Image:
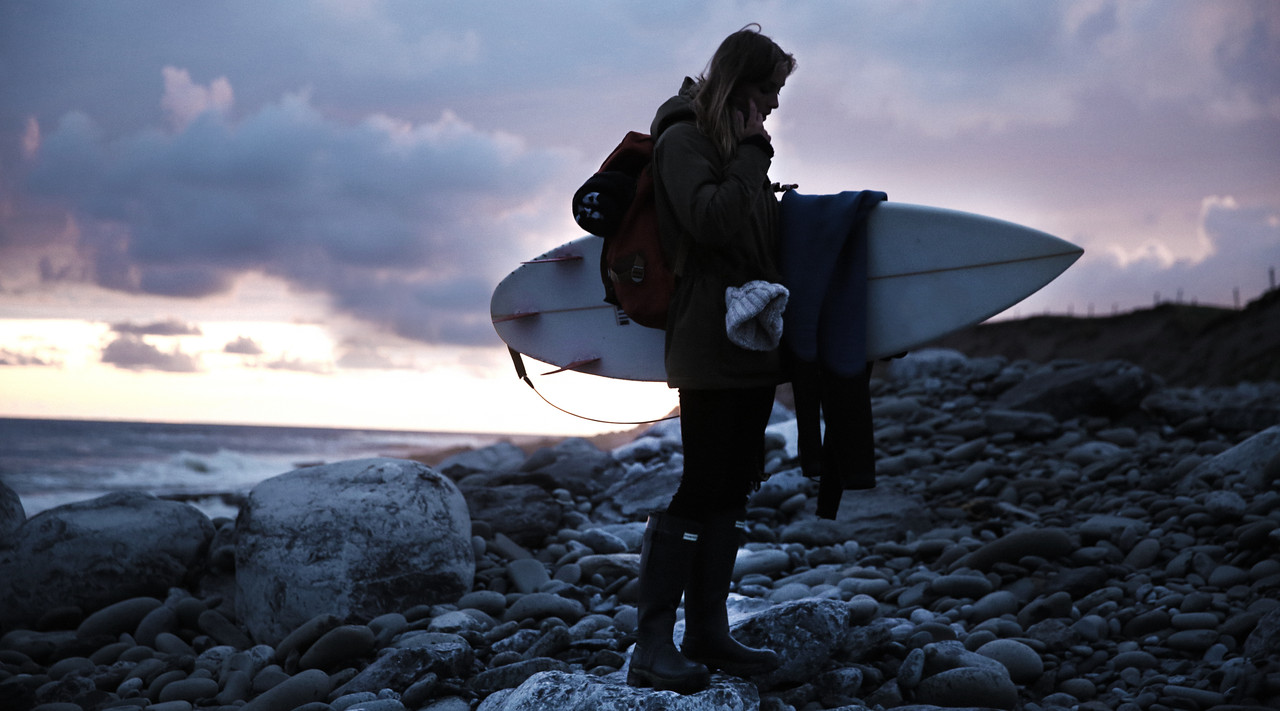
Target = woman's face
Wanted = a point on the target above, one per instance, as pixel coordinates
(763, 94)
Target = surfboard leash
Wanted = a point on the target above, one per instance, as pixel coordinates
(523, 374)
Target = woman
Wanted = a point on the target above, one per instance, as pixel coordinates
(717, 210)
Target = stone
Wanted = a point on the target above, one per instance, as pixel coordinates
(161, 620)
(500, 457)
(603, 542)
(613, 565)
(584, 692)
(574, 463)
(1091, 452)
(1091, 628)
(912, 670)
(780, 487)
(114, 620)
(1264, 640)
(805, 634)
(927, 362)
(645, 488)
(640, 449)
(1023, 662)
(1224, 577)
(539, 605)
(1224, 504)
(1201, 698)
(1082, 689)
(969, 686)
(1136, 659)
(400, 668)
(1031, 425)
(191, 689)
(994, 605)
(961, 586)
(512, 675)
(1247, 460)
(337, 647)
(524, 512)
(305, 687)
(1143, 554)
(951, 654)
(91, 554)
(528, 574)
(964, 480)
(765, 562)
(1048, 543)
(879, 514)
(12, 515)
(355, 539)
(1111, 388)
(1175, 405)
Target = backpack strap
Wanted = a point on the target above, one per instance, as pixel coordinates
(679, 252)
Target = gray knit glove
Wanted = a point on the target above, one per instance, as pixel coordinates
(753, 315)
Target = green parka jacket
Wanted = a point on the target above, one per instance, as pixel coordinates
(721, 219)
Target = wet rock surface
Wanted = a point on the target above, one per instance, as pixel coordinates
(1044, 536)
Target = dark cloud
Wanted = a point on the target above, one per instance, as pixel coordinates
(20, 358)
(130, 352)
(405, 162)
(405, 216)
(168, 327)
(243, 345)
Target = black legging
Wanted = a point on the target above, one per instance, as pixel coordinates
(723, 432)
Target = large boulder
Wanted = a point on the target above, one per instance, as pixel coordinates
(1248, 463)
(12, 515)
(353, 539)
(584, 692)
(90, 554)
(1110, 389)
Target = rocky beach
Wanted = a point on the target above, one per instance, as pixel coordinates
(1044, 536)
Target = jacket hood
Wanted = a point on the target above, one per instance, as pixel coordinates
(677, 108)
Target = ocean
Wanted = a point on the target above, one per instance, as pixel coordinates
(54, 462)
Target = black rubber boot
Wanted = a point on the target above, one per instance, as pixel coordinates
(666, 556)
(706, 635)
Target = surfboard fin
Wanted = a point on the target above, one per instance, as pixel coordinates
(552, 260)
(575, 365)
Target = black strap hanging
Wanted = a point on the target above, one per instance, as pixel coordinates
(523, 374)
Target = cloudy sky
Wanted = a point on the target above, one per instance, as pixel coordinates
(295, 212)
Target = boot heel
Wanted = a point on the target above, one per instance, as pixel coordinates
(666, 557)
(646, 680)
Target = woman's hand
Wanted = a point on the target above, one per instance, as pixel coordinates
(752, 124)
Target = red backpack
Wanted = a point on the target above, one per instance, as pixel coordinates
(617, 203)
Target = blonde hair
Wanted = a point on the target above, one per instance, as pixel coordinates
(744, 57)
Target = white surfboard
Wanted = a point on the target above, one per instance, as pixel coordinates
(930, 272)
